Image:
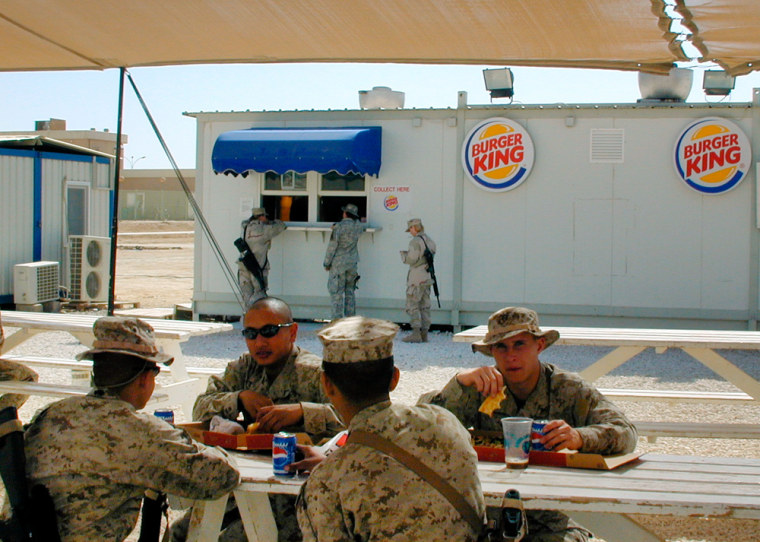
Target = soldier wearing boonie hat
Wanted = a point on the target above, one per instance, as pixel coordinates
(580, 417)
(361, 482)
(97, 455)
(418, 281)
(10, 370)
(257, 232)
(342, 262)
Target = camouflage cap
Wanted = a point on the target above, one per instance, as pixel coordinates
(2, 336)
(126, 336)
(356, 338)
(351, 209)
(416, 222)
(509, 322)
(258, 211)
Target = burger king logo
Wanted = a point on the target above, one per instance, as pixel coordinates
(497, 154)
(712, 155)
(390, 203)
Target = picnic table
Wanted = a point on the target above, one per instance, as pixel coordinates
(669, 485)
(170, 334)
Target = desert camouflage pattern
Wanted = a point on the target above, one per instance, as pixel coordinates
(10, 370)
(509, 322)
(418, 281)
(558, 395)
(359, 493)
(258, 235)
(298, 382)
(97, 455)
(342, 261)
(128, 335)
(356, 339)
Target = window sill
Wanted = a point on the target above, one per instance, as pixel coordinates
(324, 228)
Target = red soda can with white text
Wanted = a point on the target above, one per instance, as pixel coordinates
(536, 432)
(283, 453)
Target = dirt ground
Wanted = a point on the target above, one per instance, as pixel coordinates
(155, 270)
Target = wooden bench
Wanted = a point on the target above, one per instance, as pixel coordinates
(678, 396)
(652, 430)
(86, 365)
(59, 390)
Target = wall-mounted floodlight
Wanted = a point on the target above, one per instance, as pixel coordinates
(718, 83)
(499, 82)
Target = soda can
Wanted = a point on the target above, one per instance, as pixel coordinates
(166, 414)
(536, 432)
(283, 453)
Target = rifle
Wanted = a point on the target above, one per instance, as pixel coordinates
(250, 262)
(429, 256)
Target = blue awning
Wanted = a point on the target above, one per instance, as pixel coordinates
(342, 150)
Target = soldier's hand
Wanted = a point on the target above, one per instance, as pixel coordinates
(487, 380)
(311, 458)
(558, 435)
(253, 401)
(327, 268)
(275, 417)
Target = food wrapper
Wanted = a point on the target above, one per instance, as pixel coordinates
(489, 445)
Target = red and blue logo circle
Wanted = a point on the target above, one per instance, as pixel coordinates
(712, 155)
(390, 202)
(497, 154)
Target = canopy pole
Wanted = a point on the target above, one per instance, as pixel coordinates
(115, 202)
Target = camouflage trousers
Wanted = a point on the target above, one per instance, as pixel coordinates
(283, 509)
(418, 306)
(341, 284)
(551, 526)
(249, 286)
(10, 370)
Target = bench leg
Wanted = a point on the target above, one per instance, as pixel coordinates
(711, 359)
(610, 362)
(256, 514)
(206, 520)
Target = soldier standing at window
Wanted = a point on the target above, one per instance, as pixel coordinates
(418, 281)
(258, 232)
(342, 262)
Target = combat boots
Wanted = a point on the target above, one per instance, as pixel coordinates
(423, 335)
(413, 337)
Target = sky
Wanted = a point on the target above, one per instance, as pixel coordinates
(89, 99)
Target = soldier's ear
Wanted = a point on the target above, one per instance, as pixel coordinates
(394, 379)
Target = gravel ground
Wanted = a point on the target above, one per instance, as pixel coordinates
(429, 366)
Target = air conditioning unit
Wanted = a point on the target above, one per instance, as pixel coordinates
(35, 282)
(89, 265)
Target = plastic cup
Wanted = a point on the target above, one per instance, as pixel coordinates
(516, 442)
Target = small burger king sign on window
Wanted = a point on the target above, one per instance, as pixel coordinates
(497, 154)
(712, 155)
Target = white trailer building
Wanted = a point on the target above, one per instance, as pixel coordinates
(606, 225)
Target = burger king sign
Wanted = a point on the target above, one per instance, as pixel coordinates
(497, 154)
(712, 155)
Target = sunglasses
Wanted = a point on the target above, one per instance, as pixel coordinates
(268, 331)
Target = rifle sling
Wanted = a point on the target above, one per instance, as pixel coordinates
(423, 471)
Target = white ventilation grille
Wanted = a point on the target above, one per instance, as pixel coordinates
(35, 282)
(607, 145)
(89, 259)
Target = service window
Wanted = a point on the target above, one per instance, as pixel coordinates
(312, 197)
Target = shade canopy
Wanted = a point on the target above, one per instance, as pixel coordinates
(98, 34)
(344, 150)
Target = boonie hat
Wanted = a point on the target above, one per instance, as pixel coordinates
(416, 222)
(124, 335)
(509, 322)
(351, 209)
(258, 211)
(356, 339)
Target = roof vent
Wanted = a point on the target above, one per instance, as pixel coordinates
(381, 98)
(674, 87)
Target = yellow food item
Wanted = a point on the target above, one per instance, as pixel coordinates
(487, 441)
(253, 427)
(492, 402)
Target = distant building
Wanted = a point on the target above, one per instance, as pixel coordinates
(155, 194)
